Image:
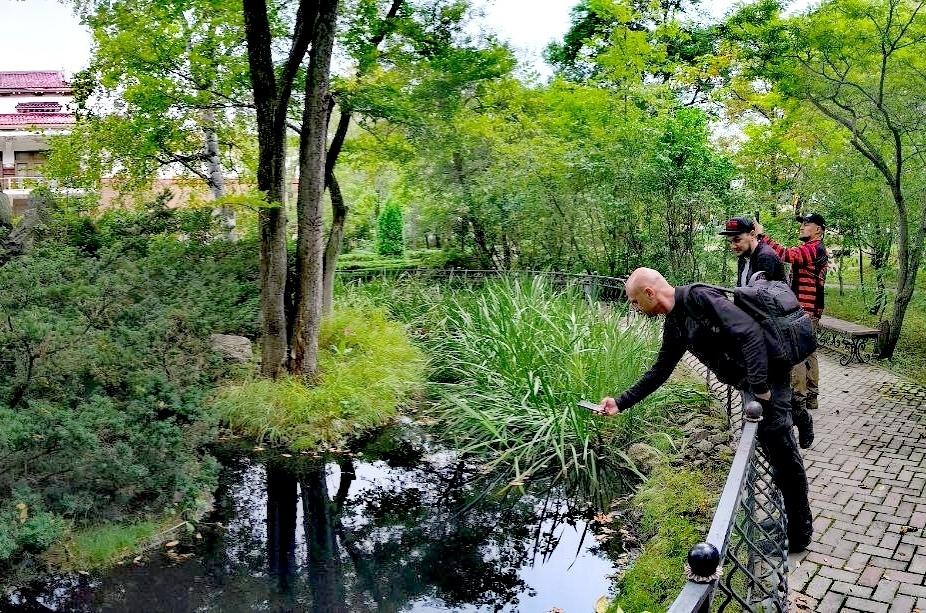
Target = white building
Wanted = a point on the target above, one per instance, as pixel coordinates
(33, 105)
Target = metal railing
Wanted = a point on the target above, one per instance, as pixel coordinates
(595, 287)
(743, 565)
(21, 183)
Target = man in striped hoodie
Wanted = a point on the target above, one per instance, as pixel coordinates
(808, 273)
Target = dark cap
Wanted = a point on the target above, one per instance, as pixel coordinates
(812, 218)
(737, 225)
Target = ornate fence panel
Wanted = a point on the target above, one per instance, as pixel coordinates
(743, 564)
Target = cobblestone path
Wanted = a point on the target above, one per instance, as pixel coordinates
(867, 472)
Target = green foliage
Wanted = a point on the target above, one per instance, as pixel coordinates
(106, 364)
(513, 359)
(676, 510)
(389, 232)
(367, 368)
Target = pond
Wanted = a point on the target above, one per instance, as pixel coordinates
(391, 525)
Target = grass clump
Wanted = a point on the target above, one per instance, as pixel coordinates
(102, 546)
(676, 509)
(367, 368)
(513, 358)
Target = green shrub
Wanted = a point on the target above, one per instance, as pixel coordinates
(367, 368)
(390, 226)
(105, 365)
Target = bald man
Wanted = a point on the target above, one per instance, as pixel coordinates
(727, 340)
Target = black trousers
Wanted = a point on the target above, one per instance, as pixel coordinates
(777, 440)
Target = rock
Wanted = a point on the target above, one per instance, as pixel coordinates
(6, 210)
(698, 436)
(646, 457)
(233, 348)
(705, 446)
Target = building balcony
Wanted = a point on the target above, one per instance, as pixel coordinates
(23, 184)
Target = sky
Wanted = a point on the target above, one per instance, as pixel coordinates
(45, 35)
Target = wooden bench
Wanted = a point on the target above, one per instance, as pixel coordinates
(849, 336)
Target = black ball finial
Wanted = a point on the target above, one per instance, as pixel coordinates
(753, 411)
(703, 560)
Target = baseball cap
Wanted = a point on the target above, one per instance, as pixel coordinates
(737, 225)
(812, 218)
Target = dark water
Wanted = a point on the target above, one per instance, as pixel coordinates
(393, 528)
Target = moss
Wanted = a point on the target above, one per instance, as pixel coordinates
(676, 508)
(367, 368)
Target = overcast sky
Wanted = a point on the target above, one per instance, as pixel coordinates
(44, 34)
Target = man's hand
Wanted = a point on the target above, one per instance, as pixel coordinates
(608, 406)
(766, 396)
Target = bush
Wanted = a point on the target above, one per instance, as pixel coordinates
(367, 368)
(105, 364)
(389, 240)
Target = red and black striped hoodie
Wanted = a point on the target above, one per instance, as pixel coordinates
(808, 272)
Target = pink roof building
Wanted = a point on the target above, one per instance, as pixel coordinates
(36, 82)
(33, 104)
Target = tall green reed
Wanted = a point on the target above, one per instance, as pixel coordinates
(512, 358)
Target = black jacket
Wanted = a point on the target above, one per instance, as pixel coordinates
(726, 339)
(763, 258)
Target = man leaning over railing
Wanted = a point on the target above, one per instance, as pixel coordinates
(729, 342)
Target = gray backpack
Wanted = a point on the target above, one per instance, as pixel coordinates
(788, 329)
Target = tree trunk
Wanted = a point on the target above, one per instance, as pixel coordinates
(223, 214)
(839, 262)
(333, 247)
(271, 99)
(309, 245)
(879, 256)
(861, 269)
(909, 258)
(319, 522)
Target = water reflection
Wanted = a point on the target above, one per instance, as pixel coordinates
(382, 533)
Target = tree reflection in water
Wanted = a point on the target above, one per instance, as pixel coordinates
(384, 534)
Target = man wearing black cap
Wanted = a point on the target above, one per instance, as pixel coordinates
(752, 255)
(808, 274)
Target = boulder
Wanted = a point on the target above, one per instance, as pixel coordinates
(646, 457)
(233, 348)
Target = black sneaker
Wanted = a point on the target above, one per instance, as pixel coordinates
(804, 424)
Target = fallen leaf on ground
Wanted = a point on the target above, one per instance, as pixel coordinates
(170, 544)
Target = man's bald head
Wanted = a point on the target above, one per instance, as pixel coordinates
(649, 292)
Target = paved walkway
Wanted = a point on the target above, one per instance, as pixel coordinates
(867, 472)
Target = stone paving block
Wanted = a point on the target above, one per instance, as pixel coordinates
(902, 604)
(870, 576)
(831, 603)
(867, 474)
(886, 590)
(918, 564)
(863, 604)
